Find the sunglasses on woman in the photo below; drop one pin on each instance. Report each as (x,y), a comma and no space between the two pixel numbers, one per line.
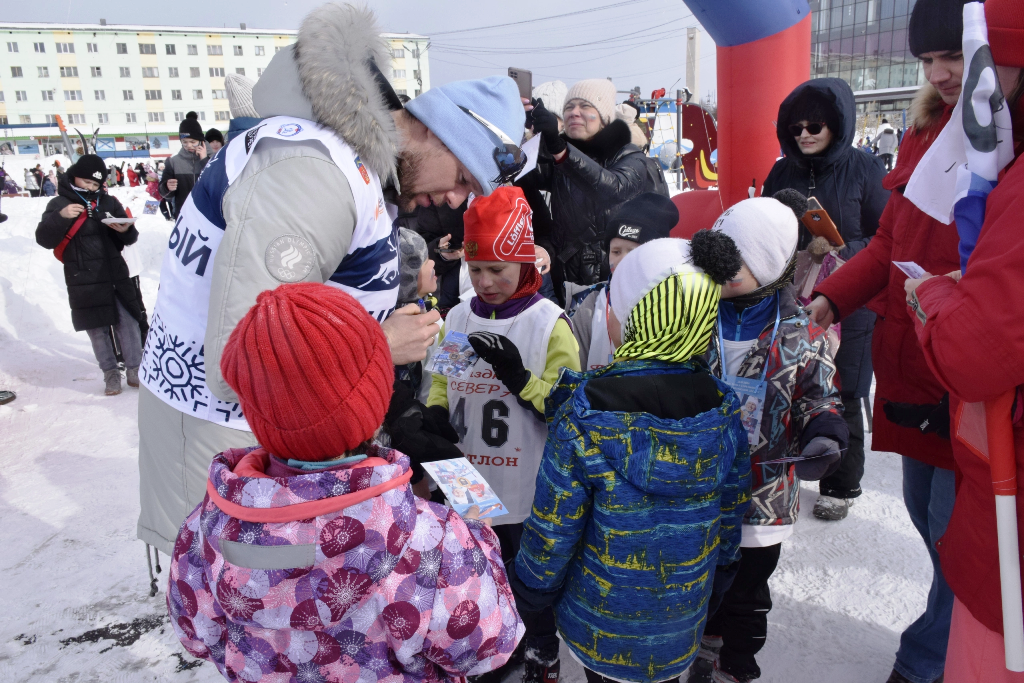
(508,156)
(797,129)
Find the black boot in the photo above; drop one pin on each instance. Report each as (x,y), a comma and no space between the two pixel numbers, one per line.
(536,672)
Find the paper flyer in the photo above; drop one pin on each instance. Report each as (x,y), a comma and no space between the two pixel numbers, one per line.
(464,487)
(454,357)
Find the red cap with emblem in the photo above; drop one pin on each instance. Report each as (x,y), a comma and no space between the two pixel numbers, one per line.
(499,227)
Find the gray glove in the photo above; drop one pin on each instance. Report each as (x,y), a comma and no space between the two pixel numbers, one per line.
(823,457)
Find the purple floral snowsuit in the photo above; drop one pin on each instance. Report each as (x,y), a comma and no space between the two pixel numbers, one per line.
(340,576)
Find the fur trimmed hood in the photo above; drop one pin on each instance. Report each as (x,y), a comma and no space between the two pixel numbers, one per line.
(927,108)
(327,77)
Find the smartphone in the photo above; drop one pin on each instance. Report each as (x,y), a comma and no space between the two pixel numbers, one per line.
(819,224)
(524,79)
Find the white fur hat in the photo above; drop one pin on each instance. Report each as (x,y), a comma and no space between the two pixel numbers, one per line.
(600,92)
(765,230)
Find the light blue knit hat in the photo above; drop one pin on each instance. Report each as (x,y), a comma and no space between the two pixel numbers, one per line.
(495,98)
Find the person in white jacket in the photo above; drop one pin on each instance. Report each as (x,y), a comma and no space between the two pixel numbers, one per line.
(886,143)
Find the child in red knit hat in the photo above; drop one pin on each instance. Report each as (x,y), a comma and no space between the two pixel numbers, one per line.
(497,408)
(310,558)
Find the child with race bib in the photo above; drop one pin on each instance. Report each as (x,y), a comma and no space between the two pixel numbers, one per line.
(523,342)
(648,216)
(778,362)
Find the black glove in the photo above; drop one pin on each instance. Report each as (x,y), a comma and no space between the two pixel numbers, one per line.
(437,421)
(504,357)
(545,124)
(930,418)
(823,457)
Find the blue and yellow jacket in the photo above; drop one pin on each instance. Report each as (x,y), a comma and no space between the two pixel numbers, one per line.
(632,513)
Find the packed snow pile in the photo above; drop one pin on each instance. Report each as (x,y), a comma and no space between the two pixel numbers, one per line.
(75,598)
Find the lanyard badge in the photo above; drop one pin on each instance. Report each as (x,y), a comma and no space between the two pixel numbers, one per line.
(751,392)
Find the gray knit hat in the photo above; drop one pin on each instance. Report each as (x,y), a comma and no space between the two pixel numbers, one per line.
(412,254)
(240,96)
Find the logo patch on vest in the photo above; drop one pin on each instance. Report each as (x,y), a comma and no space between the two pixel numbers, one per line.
(628,232)
(289,130)
(289,258)
(250,137)
(362,170)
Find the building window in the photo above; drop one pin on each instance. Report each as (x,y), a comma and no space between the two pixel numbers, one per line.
(192,49)
(220,94)
(399,91)
(128,95)
(170,49)
(125,72)
(398,73)
(102,118)
(48,96)
(76,118)
(96,72)
(69,72)
(3,120)
(202,116)
(193,71)
(66,48)
(154,95)
(179,116)
(216,72)
(260,51)
(277,48)
(20,96)
(25,118)
(398,53)
(51,119)
(259,72)
(175,94)
(15,72)
(73,95)
(44,71)
(197,94)
(101,95)
(214,49)
(129,118)
(1,95)
(156,117)
(12,47)
(172,72)
(122,48)
(150,72)
(240,71)
(92,47)
(222,115)
(39,47)
(238,50)
(147,48)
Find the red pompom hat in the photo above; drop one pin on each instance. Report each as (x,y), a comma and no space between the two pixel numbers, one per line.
(312,370)
(1005,19)
(499,227)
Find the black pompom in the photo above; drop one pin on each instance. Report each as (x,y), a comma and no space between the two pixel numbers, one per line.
(716,254)
(192,115)
(794,200)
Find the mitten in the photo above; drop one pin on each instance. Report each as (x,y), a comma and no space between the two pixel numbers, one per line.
(823,457)
(504,357)
(930,418)
(545,123)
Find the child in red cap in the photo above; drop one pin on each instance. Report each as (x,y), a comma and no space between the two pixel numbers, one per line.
(523,342)
(310,558)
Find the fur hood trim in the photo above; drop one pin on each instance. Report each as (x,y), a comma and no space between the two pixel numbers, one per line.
(927,108)
(335,41)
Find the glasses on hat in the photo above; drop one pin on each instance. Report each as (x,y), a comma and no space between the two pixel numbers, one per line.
(508,156)
(797,129)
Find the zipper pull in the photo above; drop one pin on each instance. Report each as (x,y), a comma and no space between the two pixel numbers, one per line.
(812,185)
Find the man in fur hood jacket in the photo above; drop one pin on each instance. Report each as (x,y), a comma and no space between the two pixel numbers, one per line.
(302,197)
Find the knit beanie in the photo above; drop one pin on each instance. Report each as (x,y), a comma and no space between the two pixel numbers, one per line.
(648,216)
(499,228)
(765,230)
(600,92)
(552,94)
(494,99)
(312,370)
(190,128)
(214,135)
(89,167)
(936,26)
(412,254)
(240,96)
(1005,19)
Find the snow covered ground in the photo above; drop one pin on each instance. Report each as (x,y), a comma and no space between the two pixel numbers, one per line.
(74,589)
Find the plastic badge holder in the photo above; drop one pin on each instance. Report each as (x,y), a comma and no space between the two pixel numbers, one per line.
(455,356)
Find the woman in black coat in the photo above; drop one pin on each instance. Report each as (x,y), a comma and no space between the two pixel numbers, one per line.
(101,293)
(815,129)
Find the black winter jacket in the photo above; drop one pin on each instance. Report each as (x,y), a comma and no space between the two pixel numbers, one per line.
(848,183)
(586,188)
(184,167)
(94,270)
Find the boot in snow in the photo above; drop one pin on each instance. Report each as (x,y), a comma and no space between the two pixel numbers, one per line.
(704,665)
(3,217)
(535,672)
(7,397)
(897,677)
(719,676)
(498,675)
(113,381)
(832,509)
(132,376)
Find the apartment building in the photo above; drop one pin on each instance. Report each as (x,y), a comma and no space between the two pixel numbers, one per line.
(141,80)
